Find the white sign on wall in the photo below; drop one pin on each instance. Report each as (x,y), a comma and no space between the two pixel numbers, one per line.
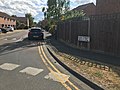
(84,38)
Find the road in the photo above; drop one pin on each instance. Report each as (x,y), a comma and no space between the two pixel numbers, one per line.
(26,65)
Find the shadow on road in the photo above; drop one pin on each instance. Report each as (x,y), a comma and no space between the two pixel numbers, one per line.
(18,46)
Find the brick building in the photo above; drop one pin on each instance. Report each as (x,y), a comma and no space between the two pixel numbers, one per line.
(22,20)
(88,9)
(107,6)
(6,20)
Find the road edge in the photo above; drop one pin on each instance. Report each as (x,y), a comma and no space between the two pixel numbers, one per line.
(77,75)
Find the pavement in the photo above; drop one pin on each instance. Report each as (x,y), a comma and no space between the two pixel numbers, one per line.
(93,56)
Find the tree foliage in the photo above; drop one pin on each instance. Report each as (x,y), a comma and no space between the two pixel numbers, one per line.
(54,11)
(72,14)
(29,16)
(58,10)
(13,16)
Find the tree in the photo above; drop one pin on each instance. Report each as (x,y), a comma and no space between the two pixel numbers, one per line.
(39,24)
(13,16)
(72,14)
(56,8)
(34,24)
(29,16)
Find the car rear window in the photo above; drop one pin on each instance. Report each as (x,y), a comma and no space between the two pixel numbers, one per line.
(35,30)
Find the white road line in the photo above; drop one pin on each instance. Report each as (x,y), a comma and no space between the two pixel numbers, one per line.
(28,70)
(9,66)
(5,39)
(14,39)
(31,71)
(21,39)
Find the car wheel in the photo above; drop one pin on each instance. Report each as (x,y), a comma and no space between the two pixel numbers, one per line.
(29,38)
(41,38)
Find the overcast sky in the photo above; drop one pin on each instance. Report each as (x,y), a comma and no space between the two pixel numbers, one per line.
(20,7)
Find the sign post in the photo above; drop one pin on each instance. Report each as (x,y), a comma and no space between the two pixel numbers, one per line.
(84,38)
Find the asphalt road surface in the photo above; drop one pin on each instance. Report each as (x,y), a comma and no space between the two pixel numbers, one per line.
(25,65)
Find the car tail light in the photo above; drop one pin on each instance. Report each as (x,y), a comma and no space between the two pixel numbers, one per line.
(29,33)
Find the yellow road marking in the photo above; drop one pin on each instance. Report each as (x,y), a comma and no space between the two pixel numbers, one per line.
(65,85)
(44,59)
(57,69)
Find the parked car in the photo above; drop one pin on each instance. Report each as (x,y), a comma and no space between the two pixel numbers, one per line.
(9,28)
(0,31)
(35,33)
(3,30)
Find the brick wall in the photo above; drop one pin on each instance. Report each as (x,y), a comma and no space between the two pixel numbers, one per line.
(1,20)
(7,22)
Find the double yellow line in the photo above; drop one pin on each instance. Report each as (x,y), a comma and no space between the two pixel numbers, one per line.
(47,62)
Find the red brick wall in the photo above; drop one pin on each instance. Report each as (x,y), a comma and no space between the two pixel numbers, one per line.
(1,20)
(7,22)
(107,6)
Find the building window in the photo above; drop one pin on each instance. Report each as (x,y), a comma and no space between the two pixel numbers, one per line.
(4,18)
(13,20)
(2,25)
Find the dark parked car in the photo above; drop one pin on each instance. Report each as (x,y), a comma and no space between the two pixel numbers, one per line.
(35,33)
(3,30)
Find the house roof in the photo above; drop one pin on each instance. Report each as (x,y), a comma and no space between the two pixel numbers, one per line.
(21,18)
(2,14)
(88,9)
(82,7)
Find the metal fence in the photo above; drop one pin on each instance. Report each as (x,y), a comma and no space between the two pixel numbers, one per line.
(104,32)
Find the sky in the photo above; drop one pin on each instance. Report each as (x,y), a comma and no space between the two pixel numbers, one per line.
(21,7)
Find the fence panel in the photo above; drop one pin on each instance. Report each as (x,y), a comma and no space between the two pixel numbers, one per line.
(104,33)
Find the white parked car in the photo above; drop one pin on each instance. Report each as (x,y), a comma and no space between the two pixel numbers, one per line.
(9,28)
(0,31)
